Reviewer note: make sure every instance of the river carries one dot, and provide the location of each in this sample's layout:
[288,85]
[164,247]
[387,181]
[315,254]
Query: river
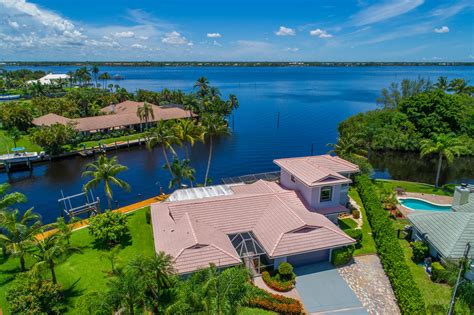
[309,101]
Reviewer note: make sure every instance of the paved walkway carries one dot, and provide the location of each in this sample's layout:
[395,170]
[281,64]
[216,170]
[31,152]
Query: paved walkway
[258,281]
[324,291]
[367,279]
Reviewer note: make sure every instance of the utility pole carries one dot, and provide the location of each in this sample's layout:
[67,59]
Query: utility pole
[458,282]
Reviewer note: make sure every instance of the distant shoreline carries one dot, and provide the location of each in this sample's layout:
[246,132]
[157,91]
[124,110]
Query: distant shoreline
[228,64]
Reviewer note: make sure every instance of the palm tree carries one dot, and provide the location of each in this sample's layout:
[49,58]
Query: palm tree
[63,228]
[458,86]
[445,145]
[126,291]
[442,83]
[95,72]
[105,170]
[14,134]
[215,125]
[145,112]
[203,86]
[48,251]
[181,171]
[104,77]
[19,231]
[348,146]
[188,132]
[232,103]
[162,134]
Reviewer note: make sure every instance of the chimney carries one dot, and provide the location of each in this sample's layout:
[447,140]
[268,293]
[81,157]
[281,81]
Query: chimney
[461,195]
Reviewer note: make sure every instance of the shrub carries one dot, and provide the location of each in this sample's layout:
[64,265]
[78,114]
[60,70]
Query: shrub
[54,137]
[274,302]
[285,270]
[276,284]
[420,251]
[390,252]
[437,272]
[108,228]
[356,214]
[342,256]
[148,215]
[29,295]
[355,234]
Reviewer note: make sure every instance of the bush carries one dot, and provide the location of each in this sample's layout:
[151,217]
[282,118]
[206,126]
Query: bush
[356,214]
[274,302]
[29,295]
[54,137]
[437,272]
[342,256]
[420,251]
[285,270]
[108,228]
[278,284]
[390,252]
[148,215]
[355,234]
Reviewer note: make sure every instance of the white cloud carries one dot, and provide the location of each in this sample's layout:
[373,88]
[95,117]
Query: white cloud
[285,31]
[175,38]
[443,29]
[320,33]
[384,11]
[13,24]
[138,46]
[214,35]
[216,43]
[292,49]
[125,34]
[143,37]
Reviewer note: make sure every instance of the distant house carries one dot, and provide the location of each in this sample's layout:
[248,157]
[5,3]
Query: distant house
[263,223]
[448,233]
[50,78]
[118,116]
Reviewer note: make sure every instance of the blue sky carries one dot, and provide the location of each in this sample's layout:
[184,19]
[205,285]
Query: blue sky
[244,30]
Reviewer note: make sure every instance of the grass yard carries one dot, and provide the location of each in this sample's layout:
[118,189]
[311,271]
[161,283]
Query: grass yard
[90,144]
[368,244]
[87,271]
[6,143]
[253,311]
[446,190]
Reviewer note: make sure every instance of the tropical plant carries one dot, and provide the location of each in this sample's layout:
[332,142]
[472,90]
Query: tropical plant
[95,72]
[112,256]
[53,138]
[105,170]
[347,146]
[14,134]
[444,145]
[108,228]
[145,113]
[162,134]
[392,96]
[95,302]
[104,77]
[18,232]
[458,86]
[202,84]
[16,115]
[127,291]
[215,126]
[181,171]
[31,295]
[442,83]
[188,132]
[48,251]
[63,228]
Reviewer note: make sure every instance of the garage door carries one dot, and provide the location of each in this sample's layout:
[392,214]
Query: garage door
[309,258]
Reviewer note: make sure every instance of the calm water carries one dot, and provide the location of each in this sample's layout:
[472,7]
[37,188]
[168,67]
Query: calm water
[310,102]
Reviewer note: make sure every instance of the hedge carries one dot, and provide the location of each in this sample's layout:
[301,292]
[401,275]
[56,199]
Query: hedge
[390,252]
[276,303]
[437,272]
[278,285]
[342,256]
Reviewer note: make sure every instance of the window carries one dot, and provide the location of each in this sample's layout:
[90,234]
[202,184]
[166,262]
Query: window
[326,194]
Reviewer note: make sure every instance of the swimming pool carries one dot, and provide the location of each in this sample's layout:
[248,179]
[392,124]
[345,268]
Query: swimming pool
[418,204]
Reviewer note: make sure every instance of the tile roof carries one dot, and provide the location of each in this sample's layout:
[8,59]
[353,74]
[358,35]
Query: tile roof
[278,218]
[448,232]
[125,115]
[469,206]
[318,170]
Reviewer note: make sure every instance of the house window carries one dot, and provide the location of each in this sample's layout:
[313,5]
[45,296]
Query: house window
[292,178]
[326,194]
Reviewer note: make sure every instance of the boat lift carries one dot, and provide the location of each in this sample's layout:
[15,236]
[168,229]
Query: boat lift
[86,204]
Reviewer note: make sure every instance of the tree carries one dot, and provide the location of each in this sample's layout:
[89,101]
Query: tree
[215,126]
[31,295]
[19,231]
[188,132]
[458,86]
[53,138]
[444,145]
[202,84]
[442,84]
[95,302]
[126,291]
[63,228]
[156,274]
[348,145]
[145,113]
[105,77]
[108,228]
[181,171]
[48,251]
[14,134]
[95,72]
[395,93]
[162,134]
[16,115]
[105,170]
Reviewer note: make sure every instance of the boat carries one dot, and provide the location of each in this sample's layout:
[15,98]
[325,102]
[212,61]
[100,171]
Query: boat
[117,77]
[9,97]
[19,155]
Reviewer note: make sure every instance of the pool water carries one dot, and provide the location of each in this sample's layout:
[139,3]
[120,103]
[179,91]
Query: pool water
[417,204]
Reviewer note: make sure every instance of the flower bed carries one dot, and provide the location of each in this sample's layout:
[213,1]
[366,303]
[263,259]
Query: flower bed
[276,303]
[277,284]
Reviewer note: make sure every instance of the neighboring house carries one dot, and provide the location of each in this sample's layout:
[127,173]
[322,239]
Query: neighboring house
[118,116]
[448,233]
[50,78]
[264,223]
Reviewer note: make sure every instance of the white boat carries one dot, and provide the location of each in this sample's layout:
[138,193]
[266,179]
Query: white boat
[19,155]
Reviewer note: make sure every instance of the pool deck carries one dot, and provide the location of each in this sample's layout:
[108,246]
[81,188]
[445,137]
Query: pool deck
[435,199]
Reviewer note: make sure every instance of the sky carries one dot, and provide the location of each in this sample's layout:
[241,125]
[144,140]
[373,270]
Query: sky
[243,30]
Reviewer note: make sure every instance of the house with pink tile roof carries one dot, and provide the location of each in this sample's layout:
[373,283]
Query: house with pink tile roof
[263,223]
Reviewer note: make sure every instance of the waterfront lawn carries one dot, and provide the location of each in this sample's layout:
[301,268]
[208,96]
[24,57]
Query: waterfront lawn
[386,184]
[6,143]
[94,143]
[87,271]
[368,244]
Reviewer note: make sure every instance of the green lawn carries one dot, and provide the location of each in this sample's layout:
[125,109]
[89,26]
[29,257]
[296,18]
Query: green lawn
[87,271]
[90,144]
[368,244]
[253,311]
[6,143]
[446,190]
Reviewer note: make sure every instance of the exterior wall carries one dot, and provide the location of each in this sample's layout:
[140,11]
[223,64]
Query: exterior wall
[285,180]
[309,258]
[277,261]
[417,236]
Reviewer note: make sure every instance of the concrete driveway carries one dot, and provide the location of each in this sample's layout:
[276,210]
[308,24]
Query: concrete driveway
[323,290]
